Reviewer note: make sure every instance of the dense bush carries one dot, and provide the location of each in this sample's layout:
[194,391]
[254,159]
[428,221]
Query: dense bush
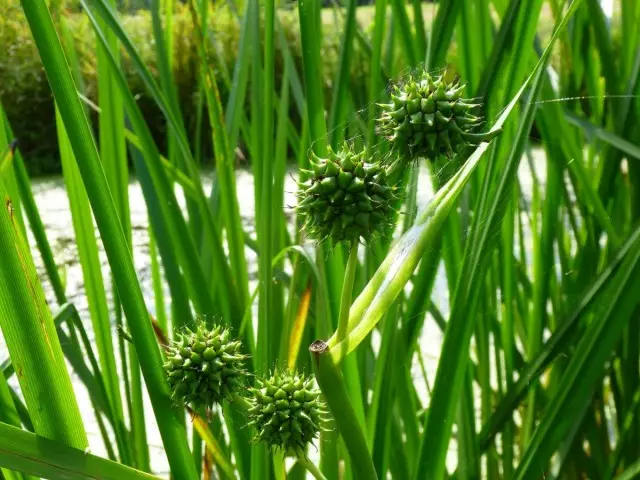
[26,97]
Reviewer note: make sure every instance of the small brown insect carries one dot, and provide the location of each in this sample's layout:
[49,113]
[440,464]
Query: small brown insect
[9,208]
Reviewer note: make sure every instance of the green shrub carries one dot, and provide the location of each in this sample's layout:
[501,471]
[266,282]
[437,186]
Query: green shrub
[25,94]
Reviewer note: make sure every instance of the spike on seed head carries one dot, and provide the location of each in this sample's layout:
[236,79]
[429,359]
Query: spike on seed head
[204,366]
[422,112]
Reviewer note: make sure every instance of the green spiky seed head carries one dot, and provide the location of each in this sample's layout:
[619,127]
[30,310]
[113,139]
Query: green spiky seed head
[204,367]
[428,117]
[287,412]
[345,197]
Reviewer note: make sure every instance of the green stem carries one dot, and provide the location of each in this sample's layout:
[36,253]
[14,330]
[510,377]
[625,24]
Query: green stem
[333,387]
[312,468]
[347,290]
[310,41]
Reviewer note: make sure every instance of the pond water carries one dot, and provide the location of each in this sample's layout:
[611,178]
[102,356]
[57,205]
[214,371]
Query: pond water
[52,201]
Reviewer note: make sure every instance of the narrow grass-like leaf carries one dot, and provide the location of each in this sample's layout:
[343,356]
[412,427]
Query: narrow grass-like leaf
[338,111]
[113,154]
[226,179]
[31,338]
[175,220]
[443,26]
[310,39]
[8,415]
[94,284]
[376,59]
[212,445]
[298,327]
[35,221]
[585,367]
[406,34]
[40,456]
[227,295]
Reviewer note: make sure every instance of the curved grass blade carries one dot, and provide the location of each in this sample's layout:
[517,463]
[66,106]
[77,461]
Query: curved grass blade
[31,338]
[218,454]
[453,361]
[228,294]
[94,284]
[585,367]
[632,472]
[224,170]
[113,154]
[40,456]
[8,415]
[72,352]
[175,222]
[554,346]
[35,222]
[606,136]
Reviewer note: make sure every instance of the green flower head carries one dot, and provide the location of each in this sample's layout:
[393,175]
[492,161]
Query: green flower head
[288,412]
[345,197]
[204,367]
[428,117]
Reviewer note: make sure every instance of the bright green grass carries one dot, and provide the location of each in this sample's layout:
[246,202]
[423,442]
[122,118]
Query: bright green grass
[537,374]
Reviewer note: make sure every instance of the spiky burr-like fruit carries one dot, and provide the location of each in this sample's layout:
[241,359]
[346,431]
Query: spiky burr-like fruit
[204,367]
[428,117]
[345,197]
[287,412]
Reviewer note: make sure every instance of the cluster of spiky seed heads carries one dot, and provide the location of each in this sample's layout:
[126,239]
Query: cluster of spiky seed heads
[345,197]
[350,196]
[206,367]
[427,117]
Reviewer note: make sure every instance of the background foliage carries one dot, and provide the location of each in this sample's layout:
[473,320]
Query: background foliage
[493,333]
[27,99]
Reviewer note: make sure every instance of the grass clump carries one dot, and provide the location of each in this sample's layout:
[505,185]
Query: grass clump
[528,277]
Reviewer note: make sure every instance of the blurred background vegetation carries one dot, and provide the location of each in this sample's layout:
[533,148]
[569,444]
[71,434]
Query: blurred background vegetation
[26,97]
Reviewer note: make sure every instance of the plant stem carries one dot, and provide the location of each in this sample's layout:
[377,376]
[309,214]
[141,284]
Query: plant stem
[347,290]
[333,387]
[312,468]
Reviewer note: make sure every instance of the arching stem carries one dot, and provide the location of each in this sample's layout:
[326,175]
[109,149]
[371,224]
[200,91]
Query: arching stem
[311,467]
